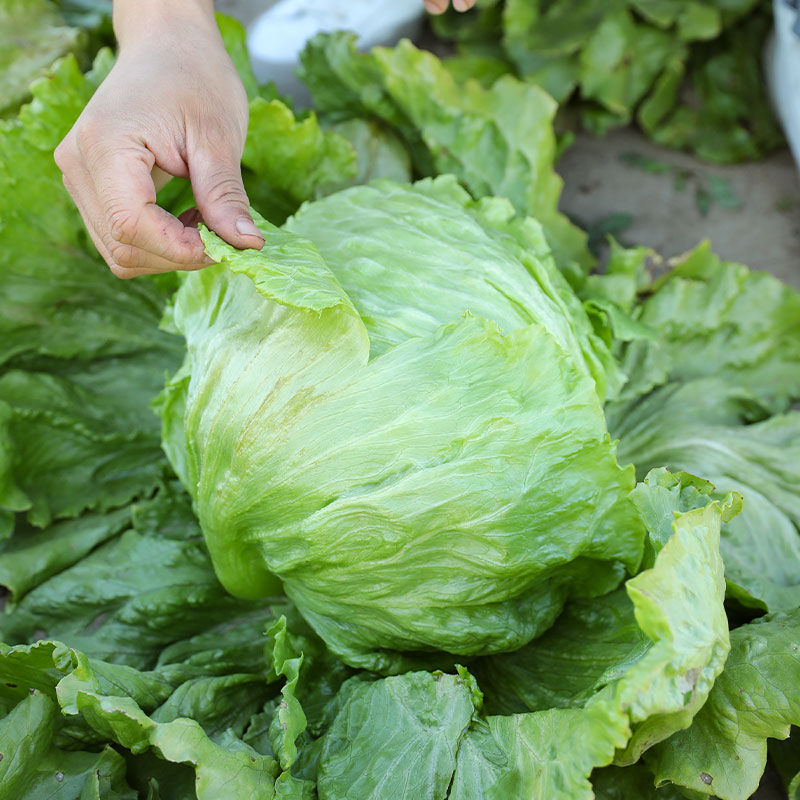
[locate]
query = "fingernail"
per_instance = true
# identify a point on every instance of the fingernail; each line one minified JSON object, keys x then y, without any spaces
{"x":247,"y":227}
{"x":461,"y":5}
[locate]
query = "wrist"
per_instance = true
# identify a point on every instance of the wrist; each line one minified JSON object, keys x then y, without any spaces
{"x":136,"y":20}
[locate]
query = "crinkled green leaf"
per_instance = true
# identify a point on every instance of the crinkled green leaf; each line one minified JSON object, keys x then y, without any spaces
{"x":498,"y":141}
{"x":724,"y":752}
{"x":87,"y":440}
{"x":703,"y":427}
{"x":611,"y":678}
{"x":397,"y":737}
{"x":404,"y":452}
{"x":32,"y":767}
{"x":287,"y":161}
{"x":227,"y":767}
{"x":83,"y":350}
{"x":126,"y":600}
{"x":57,"y":297}
{"x":690,"y":72}
{"x":510,"y":277}
{"x":34,"y":556}
{"x":288,"y":720}
{"x":32,"y":36}
{"x":718,"y":317}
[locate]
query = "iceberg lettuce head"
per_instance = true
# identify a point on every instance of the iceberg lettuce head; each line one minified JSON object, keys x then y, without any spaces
{"x":394,"y":412}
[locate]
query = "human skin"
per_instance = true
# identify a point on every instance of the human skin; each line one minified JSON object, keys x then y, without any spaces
{"x":172,"y":105}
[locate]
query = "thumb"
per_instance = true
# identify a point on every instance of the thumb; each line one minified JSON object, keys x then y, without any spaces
{"x":219,"y":193}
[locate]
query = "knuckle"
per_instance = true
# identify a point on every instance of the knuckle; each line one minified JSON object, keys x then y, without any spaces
{"x":122,"y":225}
{"x":61,"y":155}
{"x":123,"y":255}
{"x":225,"y":190}
{"x":88,"y":133}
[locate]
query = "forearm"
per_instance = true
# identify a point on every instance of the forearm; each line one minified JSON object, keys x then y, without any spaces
{"x":137,"y":19}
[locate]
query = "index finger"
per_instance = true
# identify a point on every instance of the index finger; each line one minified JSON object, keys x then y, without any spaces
{"x":126,"y":217}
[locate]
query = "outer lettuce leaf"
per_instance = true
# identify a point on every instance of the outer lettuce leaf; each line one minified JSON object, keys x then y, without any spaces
{"x":498,"y":141}
{"x":484,"y":261}
{"x":639,"y":58}
{"x":82,"y":350}
{"x":227,"y":768}
{"x":87,"y":440}
{"x":360,"y":483}
{"x":34,"y":556}
{"x":126,"y":600}
{"x":57,"y":297}
{"x":417,"y":734}
{"x":32,"y":36}
{"x":718,"y":317}
{"x":724,"y":752}
{"x":379,"y":152}
{"x":397,"y":737}
{"x":701,"y":427}
{"x":32,"y":767}
{"x":287,"y":161}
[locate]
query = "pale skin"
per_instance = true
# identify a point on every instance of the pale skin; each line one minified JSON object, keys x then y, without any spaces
{"x":173,"y":105}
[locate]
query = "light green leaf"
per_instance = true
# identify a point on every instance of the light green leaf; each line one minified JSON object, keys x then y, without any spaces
{"x":229,"y":768}
{"x":288,"y":161}
{"x":724,"y":752}
{"x":497,"y":142}
{"x":718,"y":317}
{"x":32,"y":36}
{"x":32,"y":767}
{"x":617,"y":686}
{"x":397,"y":737}
{"x":510,"y":278}
{"x":704,"y":427}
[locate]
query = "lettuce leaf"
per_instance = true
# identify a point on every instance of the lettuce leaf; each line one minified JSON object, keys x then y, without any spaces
{"x":703,"y":427}
{"x":724,"y":752}
{"x":423,"y":735}
{"x":498,"y":141}
{"x":32,"y":36}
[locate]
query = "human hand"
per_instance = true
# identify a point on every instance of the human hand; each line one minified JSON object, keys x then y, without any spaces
{"x":173,"y":103}
{"x":440,"y":6}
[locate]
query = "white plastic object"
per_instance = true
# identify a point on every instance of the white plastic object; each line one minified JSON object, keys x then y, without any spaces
{"x":782,"y":64}
{"x":276,"y":39}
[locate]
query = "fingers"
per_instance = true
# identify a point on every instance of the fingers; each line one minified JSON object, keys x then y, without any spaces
{"x":436,"y":6}
{"x":116,"y":198}
{"x":440,"y":6}
{"x":219,"y":193}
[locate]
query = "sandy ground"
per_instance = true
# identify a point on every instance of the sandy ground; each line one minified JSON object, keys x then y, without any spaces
{"x":671,"y":201}
{"x":608,"y":179}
